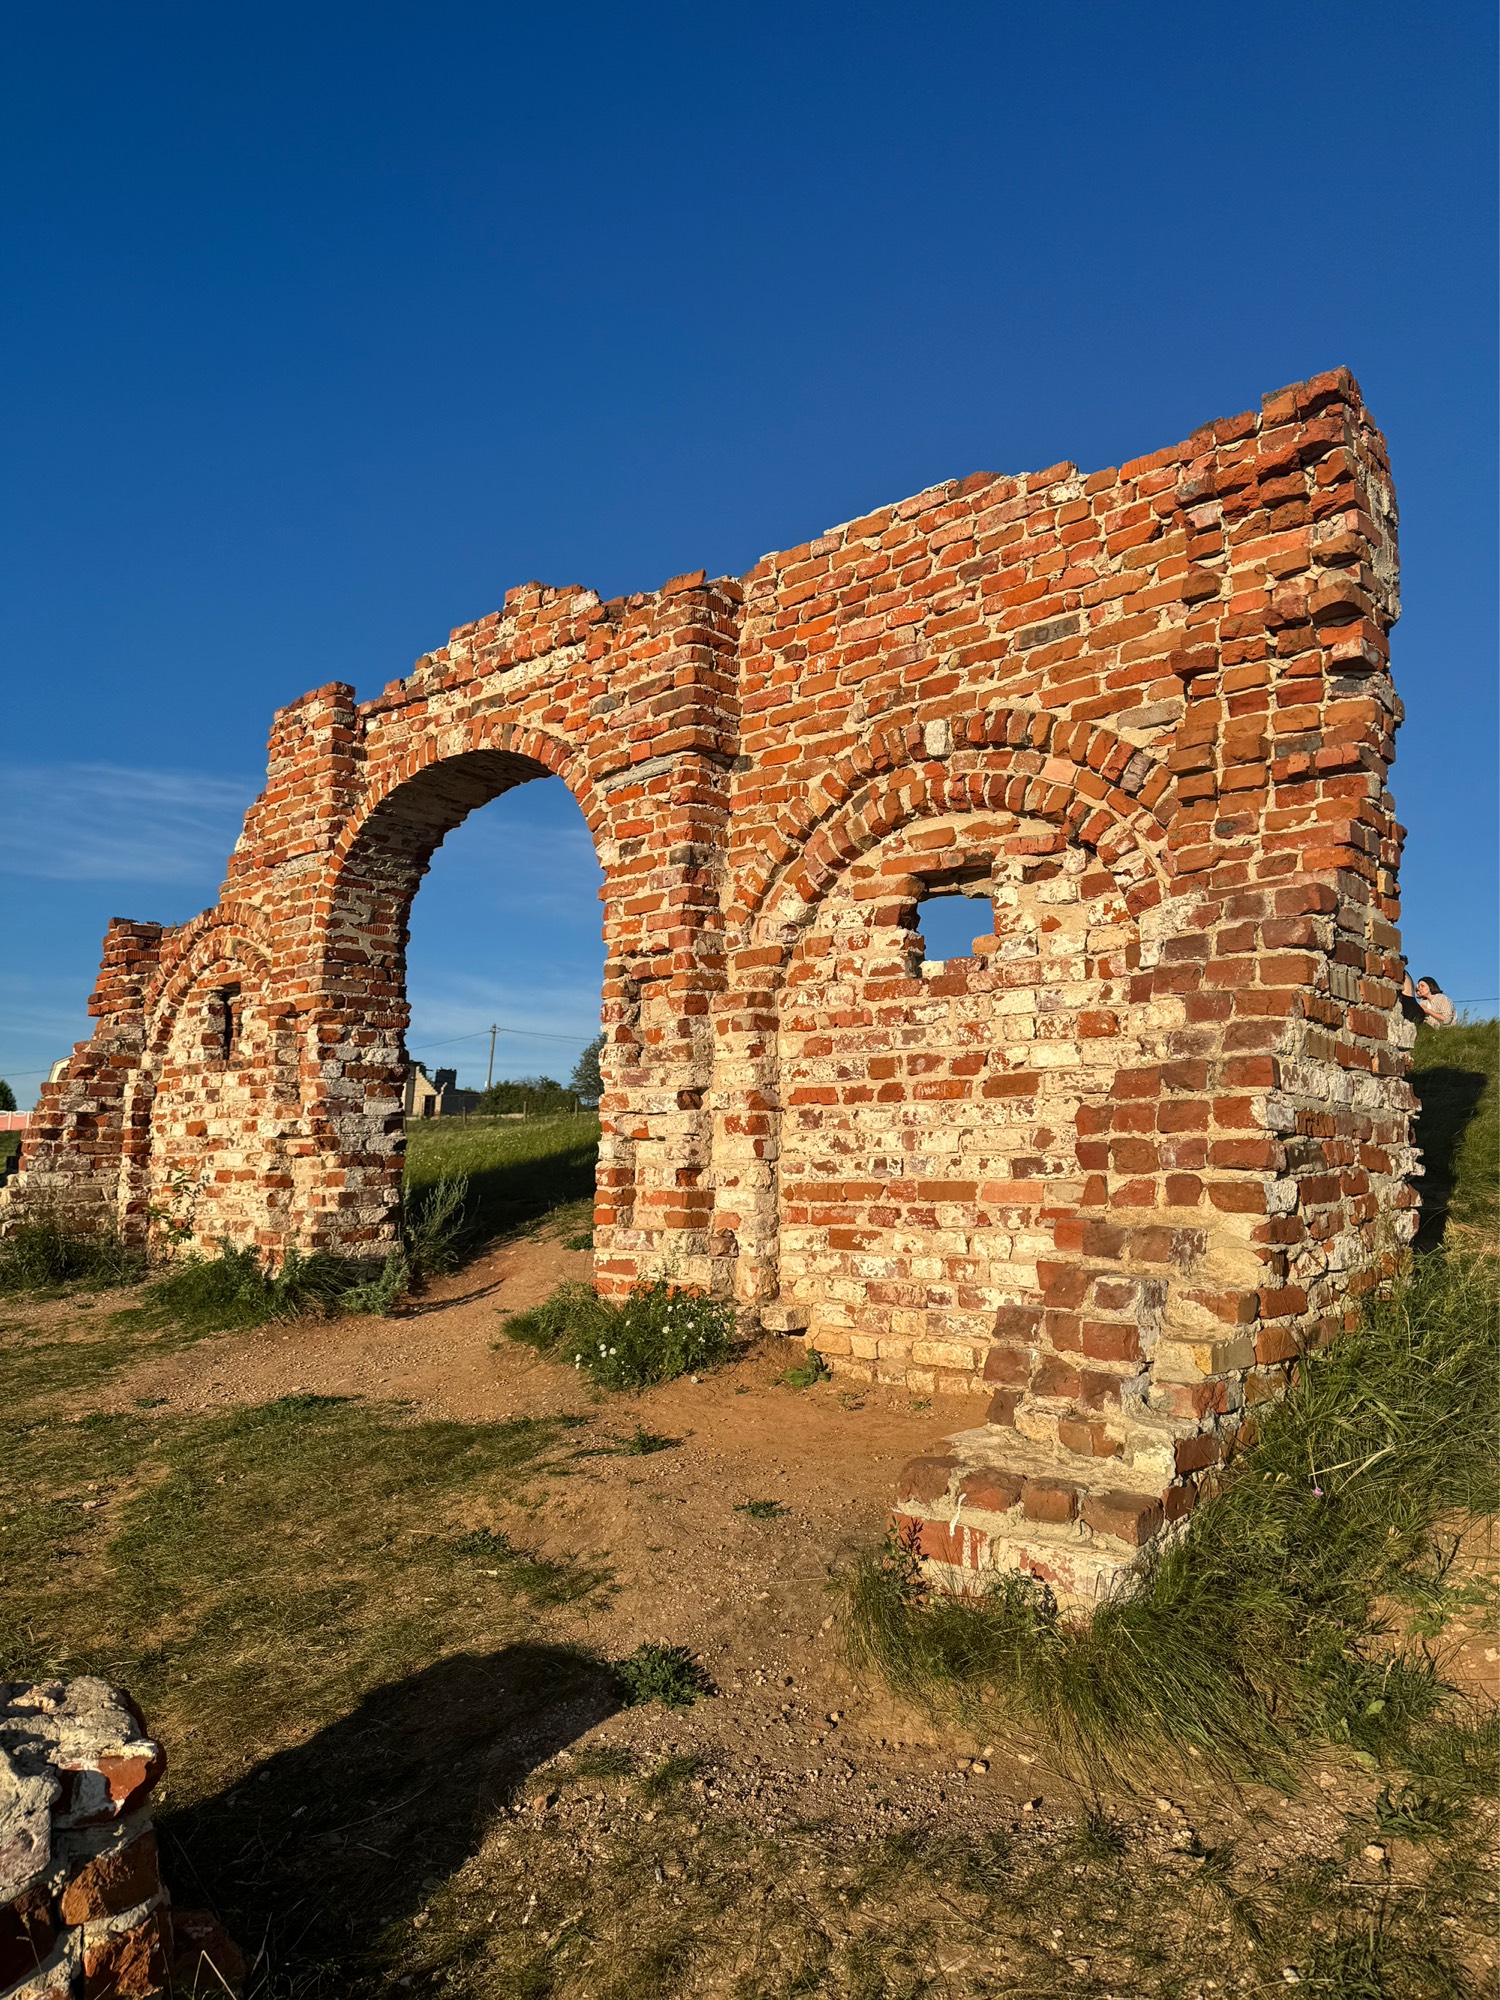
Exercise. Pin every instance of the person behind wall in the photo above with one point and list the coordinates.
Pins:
(1426, 1001)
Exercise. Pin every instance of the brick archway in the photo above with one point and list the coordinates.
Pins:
(1168, 681)
(1015, 772)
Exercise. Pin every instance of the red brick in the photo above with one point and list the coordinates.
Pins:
(1048, 1500)
(1129, 1517)
(990, 1489)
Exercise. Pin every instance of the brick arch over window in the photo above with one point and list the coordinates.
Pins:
(1021, 773)
(1103, 791)
(225, 948)
(232, 934)
(219, 1111)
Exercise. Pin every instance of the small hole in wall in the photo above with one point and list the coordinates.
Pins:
(948, 925)
(227, 1009)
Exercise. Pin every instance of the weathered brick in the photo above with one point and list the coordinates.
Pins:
(1146, 731)
(1048, 1500)
(1129, 1517)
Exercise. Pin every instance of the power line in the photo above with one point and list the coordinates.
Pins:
(530, 1034)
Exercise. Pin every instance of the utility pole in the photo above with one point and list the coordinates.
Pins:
(489, 1075)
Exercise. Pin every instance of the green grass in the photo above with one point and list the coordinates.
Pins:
(655, 1334)
(517, 1173)
(1268, 1624)
(313, 1599)
(43, 1255)
(294, 1549)
(1456, 1075)
(236, 1289)
(1071, 1906)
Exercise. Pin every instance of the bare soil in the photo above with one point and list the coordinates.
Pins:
(796, 1735)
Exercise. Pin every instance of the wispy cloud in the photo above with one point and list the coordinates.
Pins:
(108, 823)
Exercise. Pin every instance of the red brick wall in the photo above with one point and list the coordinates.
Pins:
(1115, 1166)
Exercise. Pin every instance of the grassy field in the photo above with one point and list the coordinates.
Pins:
(334, 1613)
(517, 1172)
(1455, 1072)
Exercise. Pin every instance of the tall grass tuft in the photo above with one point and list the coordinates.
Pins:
(235, 1289)
(660, 1331)
(436, 1225)
(1271, 1620)
(43, 1254)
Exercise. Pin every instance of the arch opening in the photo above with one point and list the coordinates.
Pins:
(506, 935)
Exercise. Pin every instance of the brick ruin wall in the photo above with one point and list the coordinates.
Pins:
(1114, 1167)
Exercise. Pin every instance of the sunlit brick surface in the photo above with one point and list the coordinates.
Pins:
(1115, 1165)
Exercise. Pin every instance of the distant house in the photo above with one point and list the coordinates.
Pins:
(424, 1094)
(438, 1095)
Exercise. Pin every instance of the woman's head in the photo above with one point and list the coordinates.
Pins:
(1428, 986)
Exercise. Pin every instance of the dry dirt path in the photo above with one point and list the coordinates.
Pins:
(797, 1734)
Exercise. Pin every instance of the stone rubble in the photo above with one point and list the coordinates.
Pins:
(83, 1913)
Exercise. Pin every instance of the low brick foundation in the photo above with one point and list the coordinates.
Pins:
(1115, 1164)
(83, 1913)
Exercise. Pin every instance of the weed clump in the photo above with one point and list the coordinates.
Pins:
(236, 1289)
(808, 1373)
(43, 1254)
(660, 1331)
(668, 1674)
(645, 1444)
(1268, 1621)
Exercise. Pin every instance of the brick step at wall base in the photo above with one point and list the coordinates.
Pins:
(989, 1501)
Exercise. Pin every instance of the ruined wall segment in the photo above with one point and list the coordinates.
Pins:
(84, 1914)
(1113, 1167)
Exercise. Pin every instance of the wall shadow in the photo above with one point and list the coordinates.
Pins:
(1448, 1100)
(513, 1193)
(309, 1856)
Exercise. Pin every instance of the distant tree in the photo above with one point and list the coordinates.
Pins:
(535, 1096)
(7, 1096)
(587, 1080)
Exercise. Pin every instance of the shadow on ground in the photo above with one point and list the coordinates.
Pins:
(511, 1194)
(1448, 1101)
(313, 1853)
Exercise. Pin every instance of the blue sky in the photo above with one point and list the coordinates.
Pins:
(323, 324)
